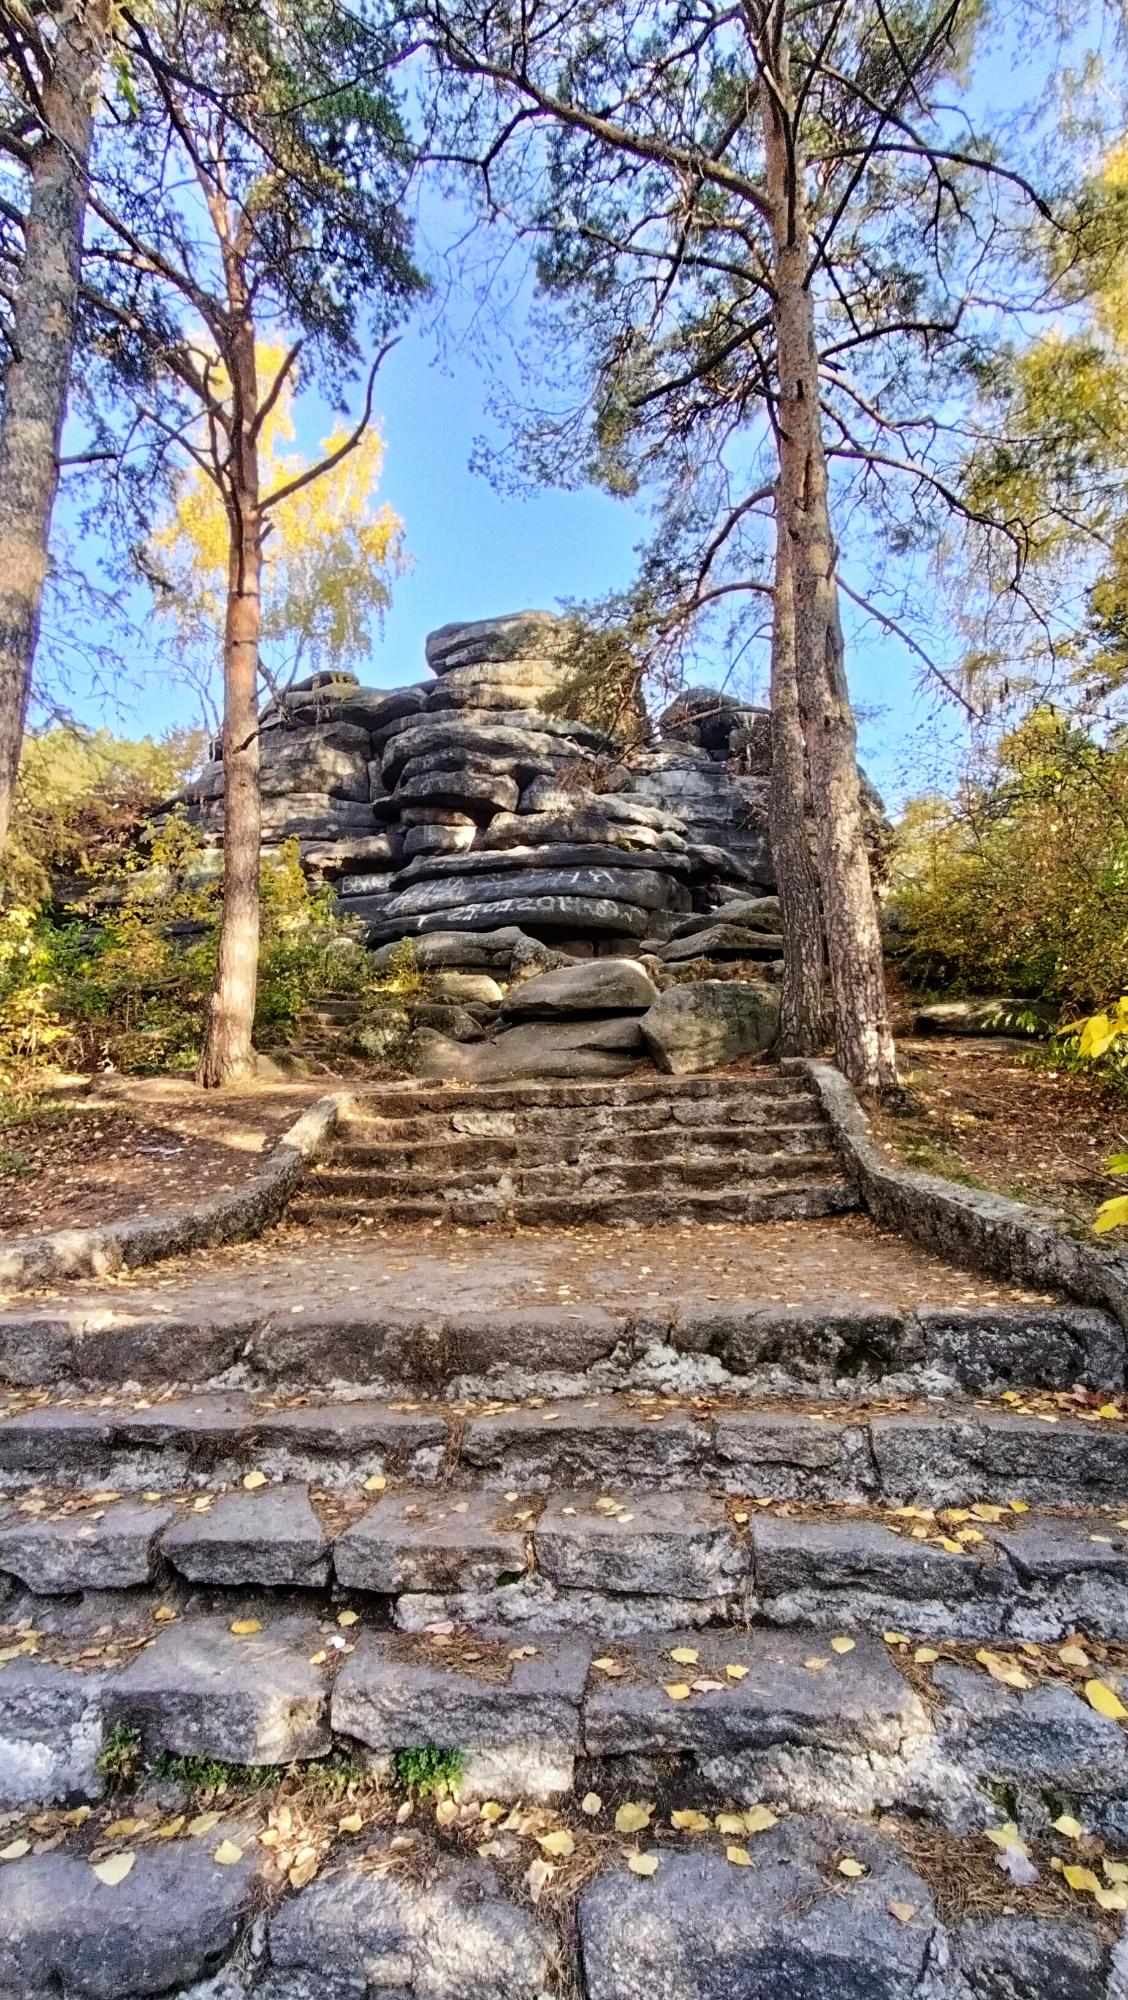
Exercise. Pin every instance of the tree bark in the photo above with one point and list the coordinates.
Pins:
(802, 1023)
(862, 1033)
(228, 1052)
(38, 377)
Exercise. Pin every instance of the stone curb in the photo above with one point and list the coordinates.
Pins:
(225, 1218)
(983, 1231)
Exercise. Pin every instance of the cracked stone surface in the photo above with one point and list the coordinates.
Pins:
(418, 1541)
(50, 1733)
(660, 1543)
(111, 1548)
(270, 1537)
(700, 1929)
(250, 1698)
(173, 1920)
(452, 1935)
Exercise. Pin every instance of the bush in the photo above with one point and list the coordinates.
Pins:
(125, 986)
(1020, 886)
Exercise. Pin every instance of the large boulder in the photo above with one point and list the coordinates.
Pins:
(332, 757)
(636, 888)
(509, 637)
(1013, 1016)
(585, 823)
(594, 986)
(468, 790)
(722, 941)
(722, 726)
(713, 1021)
(753, 913)
(574, 915)
(610, 1045)
(715, 809)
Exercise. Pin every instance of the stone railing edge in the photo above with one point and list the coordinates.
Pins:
(225, 1218)
(987, 1232)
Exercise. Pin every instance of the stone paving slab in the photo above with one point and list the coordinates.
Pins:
(110, 1548)
(272, 1537)
(419, 1541)
(674, 1544)
(201, 1689)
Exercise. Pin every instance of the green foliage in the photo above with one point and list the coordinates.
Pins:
(330, 1777)
(1021, 885)
(428, 1771)
(81, 799)
(119, 1759)
(125, 985)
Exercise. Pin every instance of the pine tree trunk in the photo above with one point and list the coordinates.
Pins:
(802, 1023)
(228, 1052)
(862, 1033)
(38, 377)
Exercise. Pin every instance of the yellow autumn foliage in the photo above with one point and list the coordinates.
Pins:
(329, 556)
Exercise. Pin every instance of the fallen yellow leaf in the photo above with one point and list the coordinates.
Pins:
(347, 1618)
(1080, 1879)
(642, 1864)
(253, 1480)
(1071, 1828)
(227, 1853)
(631, 1818)
(758, 1819)
(203, 1823)
(690, 1821)
(739, 1856)
(304, 1868)
(376, 1483)
(848, 1866)
(163, 1613)
(686, 1656)
(730, 1823)
(1105, 1701)
(904, 1912)
(925, 1655)
(679, 1690)
(1073, 1656)
(816, 1663)
(559, 1843)
(351, 1823)
(842, 1645)
(735, 1673)
(15, 1850)
(114, 1868)
(243, 1627)
(591, 1804)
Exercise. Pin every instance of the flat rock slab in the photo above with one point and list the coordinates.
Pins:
(173, 1920)
(271, 1537)
(110, 1548)
(398, 1692)
(572, 1444)
(712, 1021)
(665, 1544)
(599, 985)
(811, 1564)
(789, 1456)
(428, 1924)
(700, 1929)
(945, 1460)
(1047, 1739)
(251, 1698)
(852, 1701)
(451, 1540)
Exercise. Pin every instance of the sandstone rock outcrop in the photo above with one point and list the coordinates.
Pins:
(506, 841)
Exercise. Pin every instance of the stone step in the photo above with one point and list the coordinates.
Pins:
(907, 1454)
(727, 1348)
(539, 1122)
(453, 1152)
(448, 1925)
(629, 1558)
(410, 1099)
(582, 1179)
(650, 1205)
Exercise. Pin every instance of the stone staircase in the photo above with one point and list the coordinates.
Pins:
(639, 1152)
(752, 1648)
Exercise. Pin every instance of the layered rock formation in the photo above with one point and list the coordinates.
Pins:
(457, 804)
(506, 842)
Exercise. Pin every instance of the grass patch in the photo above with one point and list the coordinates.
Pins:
(428, 1771)
(327, 1777)
(119, 1760)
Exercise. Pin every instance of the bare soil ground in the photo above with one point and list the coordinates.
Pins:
(996, 1114)
(843, 1260)
(101, 1151)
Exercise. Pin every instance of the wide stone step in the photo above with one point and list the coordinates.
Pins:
(630, 1557)
(453, 1926)
(581, 1179)
(559, 1122)
(455, 1152)
(649, 1205)
(406, 1100)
